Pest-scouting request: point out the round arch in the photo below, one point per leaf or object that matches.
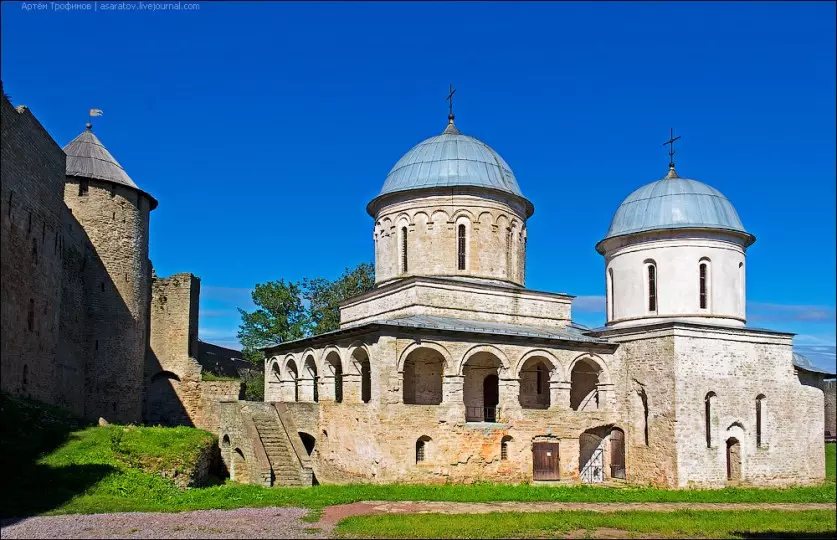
(604, 374)
(286, 363)
(558, 372)
(490, 349)
(350, 360)
(324, 354)
(427, 345)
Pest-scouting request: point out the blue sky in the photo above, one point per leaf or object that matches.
(265, 128)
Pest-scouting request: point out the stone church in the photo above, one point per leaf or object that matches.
(451, 370)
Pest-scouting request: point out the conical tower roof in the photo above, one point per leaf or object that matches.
(87, 157)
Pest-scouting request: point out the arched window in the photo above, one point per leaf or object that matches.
(703, 284)
(83, 187)
(30, 316)
(741, 297)
(541, 376)
(460, 247)
(652, 287)
(421, 448)
(504, 448)
(365, 382)
(610, 297)
(759, 420)
(707, 405)
(509, 252)
(403, 249)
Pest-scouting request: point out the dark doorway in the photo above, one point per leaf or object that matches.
(491, 397)
(545, 461)
(617, 453)
(733, 460)
(308, 441)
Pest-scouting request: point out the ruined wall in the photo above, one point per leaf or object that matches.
(830, 391)
(31, 208)
(738, 366)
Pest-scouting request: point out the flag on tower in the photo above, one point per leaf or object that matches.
(96, 112)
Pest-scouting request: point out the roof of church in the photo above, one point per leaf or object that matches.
(572, 332)
(802, 362)
(87, 157)
(449, 160)
(675, 203)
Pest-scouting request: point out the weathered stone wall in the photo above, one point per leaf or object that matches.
(115, 219)
(738, 366)
(495, 235)
(32, 169)
(451, 298)
(830, 391)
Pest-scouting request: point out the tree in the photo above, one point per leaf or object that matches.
(280, 317)
(324, 296)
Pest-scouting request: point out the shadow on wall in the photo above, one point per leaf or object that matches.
(163, 403)
(31, 429)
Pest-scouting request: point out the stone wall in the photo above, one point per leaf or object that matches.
(830, 391)
(115, 219)
(31, 209)
(495, 228)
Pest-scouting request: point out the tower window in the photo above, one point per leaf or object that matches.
(609, 299)
(759, 419)
(707, 409)
(421, 448)
(652, 287)
(703, 286)
(83, 187)
(403, 249)
(460, 247)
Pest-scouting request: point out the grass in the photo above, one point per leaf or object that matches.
(680, 523)
(209, 376)
(831, 461)
(56, 465)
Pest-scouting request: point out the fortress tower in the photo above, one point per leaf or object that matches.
(113, 215)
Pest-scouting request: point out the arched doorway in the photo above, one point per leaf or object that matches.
(491, 397)
(239, 467)
(308, 441)
(591, 457)
(733, 460)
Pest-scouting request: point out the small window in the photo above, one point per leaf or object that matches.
(504, 448)
(707, 404)
(759, 420)
(460, 243)
(83, 187)
(609, 299)
(421, 448)
(30, 316)
(703, 285)
(652, 287)
(403, 249)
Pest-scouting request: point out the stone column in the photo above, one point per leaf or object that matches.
(453, 394)
(326, 389)
(605, 391)
(351, 388)
(559, 395)
(509, 395)
(306, 390)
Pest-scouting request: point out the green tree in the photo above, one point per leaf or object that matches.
(280, 317)
(324, 296)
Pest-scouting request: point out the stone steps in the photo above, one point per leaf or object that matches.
(279, 450)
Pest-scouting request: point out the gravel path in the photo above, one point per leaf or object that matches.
(241, 523)
(286, 522)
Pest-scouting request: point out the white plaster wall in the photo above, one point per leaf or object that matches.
(738, 365)
(677, 256)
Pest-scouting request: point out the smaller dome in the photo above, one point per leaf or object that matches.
(675, 203)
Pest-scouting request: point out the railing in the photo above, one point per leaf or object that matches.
(480, 414)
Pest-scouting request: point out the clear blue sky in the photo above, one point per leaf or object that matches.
(265, 128)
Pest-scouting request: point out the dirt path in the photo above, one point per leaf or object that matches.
(333, 514)
(287, 522)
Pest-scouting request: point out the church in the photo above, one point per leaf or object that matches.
(451, 370)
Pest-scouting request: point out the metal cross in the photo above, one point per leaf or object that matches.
(670, 142)
(450, 99)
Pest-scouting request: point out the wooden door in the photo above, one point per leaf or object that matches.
(545, 461)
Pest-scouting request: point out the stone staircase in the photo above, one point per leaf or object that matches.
(284, 462)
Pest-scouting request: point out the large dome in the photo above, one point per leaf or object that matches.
(675, 203)
(450, 160)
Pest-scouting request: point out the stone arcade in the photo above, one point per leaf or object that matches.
(451, 370)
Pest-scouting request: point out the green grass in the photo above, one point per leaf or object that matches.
(208, 376)
(681, 523)
(56, 465)
(831, 461)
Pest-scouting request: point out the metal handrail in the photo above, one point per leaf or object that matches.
(480, 414)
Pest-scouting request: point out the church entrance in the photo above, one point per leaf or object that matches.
(591, 457)
(617, 453)
(545, 461)
(733, 460)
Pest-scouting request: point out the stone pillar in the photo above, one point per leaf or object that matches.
(605, 392)
(326, 389)
(351, 388)
(509, 395)
(288, 393)
(559, 395)
(453, 388)
(306, 390)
